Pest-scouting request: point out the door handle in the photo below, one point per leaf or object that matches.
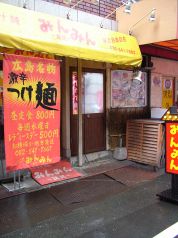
(88, 115)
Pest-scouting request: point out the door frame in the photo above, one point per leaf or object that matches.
(89, 70)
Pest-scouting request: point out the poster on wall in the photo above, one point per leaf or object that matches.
(125, 92)
(156, 90)
(167, 92)
(31, 111)
(172, 147)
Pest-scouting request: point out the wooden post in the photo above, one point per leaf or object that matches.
(65, 89)
(80, 121)
(108, 100)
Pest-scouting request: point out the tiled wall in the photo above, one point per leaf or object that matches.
(104, 7)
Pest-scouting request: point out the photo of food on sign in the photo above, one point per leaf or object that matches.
(125, 91)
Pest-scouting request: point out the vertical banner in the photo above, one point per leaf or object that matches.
(167, 92)
(31, 111)
(172, 147)
(1, 87)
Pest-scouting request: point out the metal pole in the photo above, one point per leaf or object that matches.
(80, 121)
(19, 178)
(14, 180)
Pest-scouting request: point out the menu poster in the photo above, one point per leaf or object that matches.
(167, 92)
(126, 92)
(31, 99)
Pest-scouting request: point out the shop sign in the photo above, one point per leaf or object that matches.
(31, 111)
(1, 87)
(172, 147)
(167, 93)
(74, 93)
(54, 173)
(59, 36)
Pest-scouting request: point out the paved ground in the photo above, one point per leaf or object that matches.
(121, 212)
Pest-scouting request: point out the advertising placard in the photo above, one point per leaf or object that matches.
(172, 147)
(31, 111)
(125, 92)
(167, 92)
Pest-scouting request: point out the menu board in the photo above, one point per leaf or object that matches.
(126, 92)
(167, 92)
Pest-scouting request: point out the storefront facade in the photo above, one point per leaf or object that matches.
(159, 48)
(87, 56)
(163, 84)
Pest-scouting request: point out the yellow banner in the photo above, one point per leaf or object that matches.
(167, 93)
(34, 31)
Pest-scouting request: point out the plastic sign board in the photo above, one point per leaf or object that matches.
(171, 114)
(172, 147)
(167, 93)
(31, 111)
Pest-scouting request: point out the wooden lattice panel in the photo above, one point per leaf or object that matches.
(144, 141)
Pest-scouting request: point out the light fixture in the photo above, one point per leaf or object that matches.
(127, 9)
(25, 4)
(137, 77)
(70, 1)
(151, 18)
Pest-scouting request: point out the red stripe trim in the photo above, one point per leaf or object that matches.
(159, 52)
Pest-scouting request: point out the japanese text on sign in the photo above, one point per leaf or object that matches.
(172, 147)
(31, 111)
(60, 36)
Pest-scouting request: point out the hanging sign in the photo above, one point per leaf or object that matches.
(172, 147)
(1, 87)
(167, 92)
(31, 111)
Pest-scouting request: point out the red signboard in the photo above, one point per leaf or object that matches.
(31, 111)
(172, 147)
(54, 173)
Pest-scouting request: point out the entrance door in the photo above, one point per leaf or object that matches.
(93, 110)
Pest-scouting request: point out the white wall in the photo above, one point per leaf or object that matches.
(161, 68)
(165, 66)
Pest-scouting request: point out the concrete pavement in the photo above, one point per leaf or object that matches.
(133, 212)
